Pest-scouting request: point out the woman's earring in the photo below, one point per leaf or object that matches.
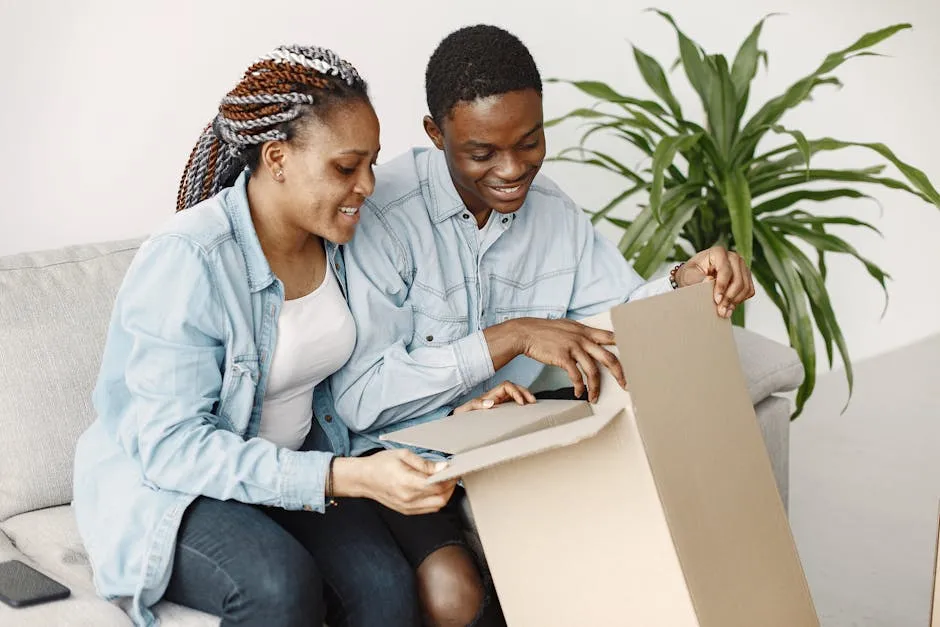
(279, 175)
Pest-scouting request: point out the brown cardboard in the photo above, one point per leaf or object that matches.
(935, 599)
(652, 507)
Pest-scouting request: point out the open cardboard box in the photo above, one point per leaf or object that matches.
(653, 507)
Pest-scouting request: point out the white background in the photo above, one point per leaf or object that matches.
(103, 100)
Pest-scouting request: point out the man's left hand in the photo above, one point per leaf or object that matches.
(733, 281)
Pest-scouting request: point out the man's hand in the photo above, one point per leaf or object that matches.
(733, 281)
(502, 393)
(575, 347)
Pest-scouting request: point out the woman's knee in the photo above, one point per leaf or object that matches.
(450, 587)
(376, 591)
(289, 587)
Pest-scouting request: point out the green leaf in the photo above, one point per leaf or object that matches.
(744, 68)
(692, 60)
(821, 254)
(577, 113)
(823, 313)
(791, 198)
(801, 142)
(637, 233)
(804, 218)
(655, 77)
(737, 198)
(603, 91)
(758, 188)
(796, 314)
(623, 224)
(768, 115)
(721, 106)
(831, 243)
(654, 253)
(916, 177)
(867, 40)
(662, 157)
(610, 206)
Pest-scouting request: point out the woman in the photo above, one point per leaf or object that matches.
(205, 478)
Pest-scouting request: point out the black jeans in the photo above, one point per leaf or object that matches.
(240, 562)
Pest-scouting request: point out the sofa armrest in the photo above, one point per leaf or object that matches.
(769, 367)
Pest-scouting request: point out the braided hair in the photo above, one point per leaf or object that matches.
(269, 103)
(477, 62)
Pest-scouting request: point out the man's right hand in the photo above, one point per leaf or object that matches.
(575, 347)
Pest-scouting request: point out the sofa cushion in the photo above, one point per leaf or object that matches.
(54, 313)
(49, 539)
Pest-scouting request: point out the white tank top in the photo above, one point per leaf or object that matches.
(316, 335)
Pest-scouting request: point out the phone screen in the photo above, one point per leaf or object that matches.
(21, 585)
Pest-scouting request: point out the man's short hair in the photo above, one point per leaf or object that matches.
(477, 62)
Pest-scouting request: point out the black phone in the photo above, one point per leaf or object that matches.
(22, 585)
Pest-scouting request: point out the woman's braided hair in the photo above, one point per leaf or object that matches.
(274, 95)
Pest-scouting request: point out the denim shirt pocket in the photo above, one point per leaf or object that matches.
(433, 329)
(238, 392)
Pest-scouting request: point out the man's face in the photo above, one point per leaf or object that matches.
(494, 147)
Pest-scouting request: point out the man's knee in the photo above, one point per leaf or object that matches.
(450, 587)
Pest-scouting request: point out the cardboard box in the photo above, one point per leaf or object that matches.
(656, 507)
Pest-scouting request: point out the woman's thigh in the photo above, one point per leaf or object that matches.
(234, 561)
(368, 581)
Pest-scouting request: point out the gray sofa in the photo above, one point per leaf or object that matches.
(54, 310)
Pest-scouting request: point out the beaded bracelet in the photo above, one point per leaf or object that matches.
(672, 276)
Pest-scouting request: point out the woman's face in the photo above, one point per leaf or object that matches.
(327, 170)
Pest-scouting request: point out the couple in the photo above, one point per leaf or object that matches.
(257, 349)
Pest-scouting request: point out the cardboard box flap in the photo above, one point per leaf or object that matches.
(709, 462)
(470, 430)
(524, 445)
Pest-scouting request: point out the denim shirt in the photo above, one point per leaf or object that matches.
(179, 398)
(417, 266)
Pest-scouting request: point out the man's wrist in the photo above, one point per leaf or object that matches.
(675, 276)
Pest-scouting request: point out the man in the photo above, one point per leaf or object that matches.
(471, 268)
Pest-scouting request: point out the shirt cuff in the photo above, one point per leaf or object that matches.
(473, 360)
(653, 288)
(303, 479)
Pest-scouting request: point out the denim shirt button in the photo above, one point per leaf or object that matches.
(505, 220)
(328, 418)
(430, 338)
(466, 216)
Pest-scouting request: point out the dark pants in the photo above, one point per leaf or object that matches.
(240, 562)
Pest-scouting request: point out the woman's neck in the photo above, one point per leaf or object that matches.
(279, 239)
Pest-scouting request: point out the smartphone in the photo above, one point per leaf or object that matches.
(22, 586)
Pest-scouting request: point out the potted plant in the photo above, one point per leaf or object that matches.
(711, 182)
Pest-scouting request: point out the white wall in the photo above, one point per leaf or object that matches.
(102, 101)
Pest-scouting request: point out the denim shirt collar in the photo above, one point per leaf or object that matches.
(235, 203)
(443, 202)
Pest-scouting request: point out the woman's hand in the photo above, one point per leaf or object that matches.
(398, 479)
(502, 393)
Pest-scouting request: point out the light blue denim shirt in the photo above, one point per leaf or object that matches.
(416, 265)
(179, 400)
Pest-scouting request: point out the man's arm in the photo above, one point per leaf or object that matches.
(383, 382)
(604, 279)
